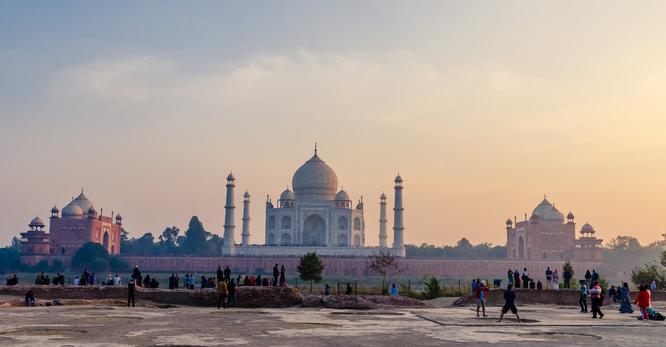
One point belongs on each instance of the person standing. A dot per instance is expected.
(509, 275)
(582, 297)
(556, 281)
(566, 274)
(526, 278)
(653, 286)
(597, 300)
(283, 278)
(509, 303)
(480, 294)
(222, 293)
(549, 278)
(643, 301)
(227, 274)
(220, 273)
(276, 274)
(131, 286)
(516, 278)
(588, 278)
(231, 302)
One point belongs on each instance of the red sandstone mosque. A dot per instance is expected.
(79, 224)
(546, 236)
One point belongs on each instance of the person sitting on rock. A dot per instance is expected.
(394, 290)
(154, 283)
(539, 285)
(327, 289)
(12, 280)
(30, 299)
(116, 280)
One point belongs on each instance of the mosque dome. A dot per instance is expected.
(287, 195)
(246, 195)
(383, 196)
(570, 215)
(72, 210)
(55, 209)
(398, 179)
(553, 215)
(84, 203)
(342, 196)
(509, 221)
(587, 228)
(542, 208)
(36, 222)
(315, 180)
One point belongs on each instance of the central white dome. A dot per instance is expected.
(315, 180)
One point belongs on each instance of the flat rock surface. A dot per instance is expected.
(150, 325)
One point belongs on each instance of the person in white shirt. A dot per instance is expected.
(77, 281)
(116, 280)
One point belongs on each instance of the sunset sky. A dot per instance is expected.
(481, 106)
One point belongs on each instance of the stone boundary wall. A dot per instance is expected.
(358, 266)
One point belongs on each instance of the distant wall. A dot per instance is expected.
(338, 266)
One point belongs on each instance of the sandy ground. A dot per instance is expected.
(192, 326)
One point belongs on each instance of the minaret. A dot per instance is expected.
(382, 221)
(246, 220)
(228, 247)
(398, 227)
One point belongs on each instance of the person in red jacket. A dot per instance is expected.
(481, 293)
(597, 299)
(643, 301)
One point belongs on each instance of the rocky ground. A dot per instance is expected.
(168, 325)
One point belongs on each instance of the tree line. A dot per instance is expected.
(196, 241)
(463, 249)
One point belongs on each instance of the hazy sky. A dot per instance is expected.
(481, 106)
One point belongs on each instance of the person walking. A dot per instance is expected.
(509, 303)
(549, 278)
(480, 294)
(582, 297)
(131, 286)
(643, 301)
(222, 293)
(597, 300)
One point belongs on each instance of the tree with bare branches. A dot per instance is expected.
(385, 265)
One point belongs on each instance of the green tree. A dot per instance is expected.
(195, 237)
(87, 253)
(118, 264)
(310, 268)
(647, 274)
(169, 240)
(99, 265)
(10, 259)
(145, 245)
(432, 289)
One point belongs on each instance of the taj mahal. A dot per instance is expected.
(314, 217)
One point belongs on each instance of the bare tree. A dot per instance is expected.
(385, 265)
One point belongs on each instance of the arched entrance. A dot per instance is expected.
(286, 239)
(105, 240)
(342, 240)
(357, 241)
(314, 231)
(521, 248)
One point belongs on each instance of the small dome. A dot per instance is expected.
(84, 203)
(230, 177)
(72, 210)
(55, 209)
(383, 196)
(587, 228)
(287, 195)
(554, 215)
(570, 215)
(91, 210)
(36, 222)
(246, 195)
(509, 221)
(398, 179)
(119, 217)
(342, 196)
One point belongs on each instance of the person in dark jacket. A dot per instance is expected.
(509, 303)
(231, 301)
(276, 274)
(220, 273)
(227, 274)
(130, 293)
(146, 281)
(283, 279)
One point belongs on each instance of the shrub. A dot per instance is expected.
(87, 253)
(119, 264)
(99, 265)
